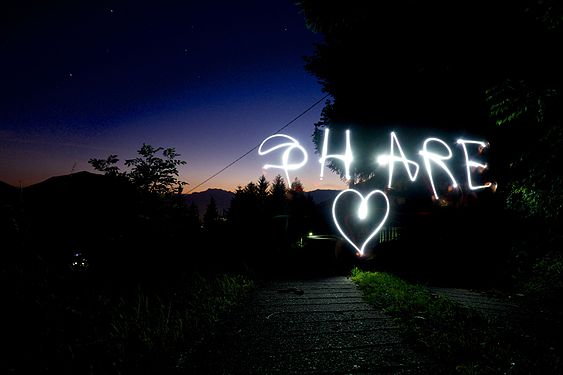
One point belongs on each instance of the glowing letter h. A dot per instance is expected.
(347, 157)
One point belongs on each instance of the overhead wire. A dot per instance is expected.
(258, 145)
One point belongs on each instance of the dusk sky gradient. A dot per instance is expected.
(83, 80)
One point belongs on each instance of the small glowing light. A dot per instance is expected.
(347, 157)
(472, 163)
(286, 165)
(310, 234)
(391, 159)
(438, 159)
(363, 210)
(383, 160)
(362, 214)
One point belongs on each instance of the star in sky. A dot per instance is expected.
(129, 80)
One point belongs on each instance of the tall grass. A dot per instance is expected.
(148, 332)
(63, 326)
(461, 339)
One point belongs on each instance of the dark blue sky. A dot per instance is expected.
(211, 78)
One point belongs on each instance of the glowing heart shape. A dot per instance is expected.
(362, 215)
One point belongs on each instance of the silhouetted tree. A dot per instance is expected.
(192, 219)
(211, 215)
(532, 118)
(262, 187)
(278, 190)
(526, 106)
(156, 174)
(108, 166)
(390, 64)
(149, 172)
(297, 186)
(236, 208)
(301, 210)
(246, 207)
(251, 189)
(159, 218)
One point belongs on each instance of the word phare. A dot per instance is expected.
(430, 159)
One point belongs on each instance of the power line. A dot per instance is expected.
(258, 145)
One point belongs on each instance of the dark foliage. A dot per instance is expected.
(101, 277)
(270, 224)
(462, 340)
(441, 64)
(149, 173)
(486, 68)
(483, 68)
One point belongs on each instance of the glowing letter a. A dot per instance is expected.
(438, 159)
(347, 158)
(391, 159)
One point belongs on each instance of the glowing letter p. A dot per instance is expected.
(290, 146)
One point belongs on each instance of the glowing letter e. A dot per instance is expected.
(471, 163)
(438, 159)
(347, 158)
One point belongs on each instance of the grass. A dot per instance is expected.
(461, 339)
(152, 332)
(140, 330)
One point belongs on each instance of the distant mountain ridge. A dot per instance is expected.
(202, 198)
(223, 198)
(321, 196)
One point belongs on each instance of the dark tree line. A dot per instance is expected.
(270, 218)
(460, 66)
(110, 273)
(485, 68)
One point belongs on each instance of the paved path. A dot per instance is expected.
(489, 306)
(309, 327)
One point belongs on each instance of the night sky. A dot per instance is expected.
(83, 80)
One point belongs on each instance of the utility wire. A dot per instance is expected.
(258, 145)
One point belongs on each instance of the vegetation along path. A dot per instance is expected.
(320, 326)
(487, 305)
